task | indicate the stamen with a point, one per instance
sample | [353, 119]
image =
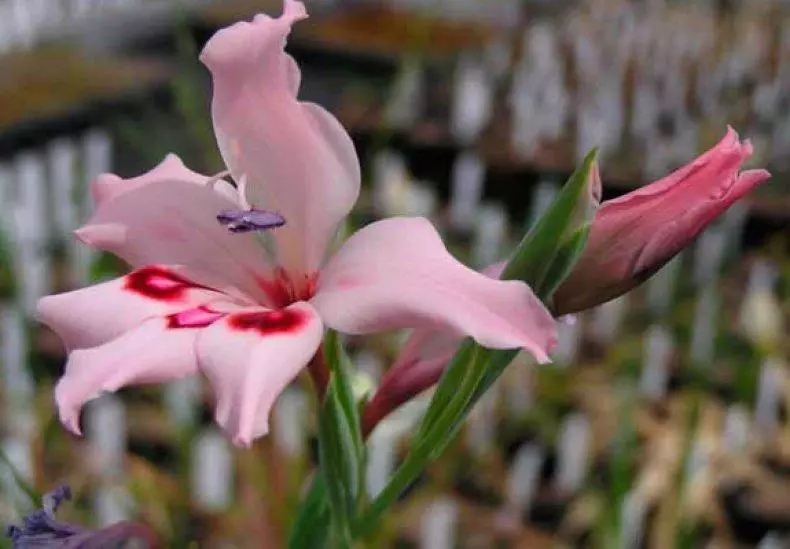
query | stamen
[244, 221]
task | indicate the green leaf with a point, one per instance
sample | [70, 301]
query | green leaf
[448, 384]
[563, 262]
[310, 529]
[534, 256]
[340, 447]
[436, 431]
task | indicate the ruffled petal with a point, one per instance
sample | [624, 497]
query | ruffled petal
[97, 314]
[295, 157]
[418, 366]
[175, 222]
[160, 349]
[249, 358]
[397, 273]
[108, 185]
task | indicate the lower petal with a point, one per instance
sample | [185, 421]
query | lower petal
[153, 352]
[175, 222]
[397, 273]
[249, 357]
[97, 314]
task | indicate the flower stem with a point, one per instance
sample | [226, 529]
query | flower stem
[435, 437]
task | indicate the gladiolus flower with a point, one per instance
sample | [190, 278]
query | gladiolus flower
[631, 238]
[218, 290]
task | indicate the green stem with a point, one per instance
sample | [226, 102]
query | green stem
[425, 447]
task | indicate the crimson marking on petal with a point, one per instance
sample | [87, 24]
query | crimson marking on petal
[283, 290]
[282, 321]
[159, 283]
[199, 317]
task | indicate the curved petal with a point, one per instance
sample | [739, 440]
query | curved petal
[175, 222]
[295, 157]
[108, 185]
[249, 357]
[397, 273]
[157, 350]
[418, 366]
[94, 315]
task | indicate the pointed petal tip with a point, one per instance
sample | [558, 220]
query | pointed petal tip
[243, 442]
[246, 440]
[100, 234]
[294, 10]
[751, 178]
[242, 41]
[69, 414]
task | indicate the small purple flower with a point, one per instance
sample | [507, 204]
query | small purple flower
[244, 221]
[40, 530]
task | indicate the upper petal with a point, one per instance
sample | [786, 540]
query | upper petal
[397, 273]
[94, 315]
[175, 222]
[108, 185]
[153, 352]
[249, 357]
[295, 157]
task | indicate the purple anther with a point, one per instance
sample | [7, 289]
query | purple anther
[244, 221]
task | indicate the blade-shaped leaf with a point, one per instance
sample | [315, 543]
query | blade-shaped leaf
[310, 529]
[340, 446]
[535, 254]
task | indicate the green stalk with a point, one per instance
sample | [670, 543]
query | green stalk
[425, 448]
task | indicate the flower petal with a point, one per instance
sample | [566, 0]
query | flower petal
[155, 351]
[174, 222]
[397, 273]
[108, 185]
[249, 357]
[97, 314]
[295, 157]
[418, 366]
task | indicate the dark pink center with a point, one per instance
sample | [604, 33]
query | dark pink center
[283, 290]
[199, 317]
[283, 321]
[158, 283]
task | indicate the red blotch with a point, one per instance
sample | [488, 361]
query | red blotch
[283, 321]
[283, 290]
[158, 283]
[199, 317]
[347, 282]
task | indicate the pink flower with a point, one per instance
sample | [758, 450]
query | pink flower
[248, 308]
[631, 238]
[635, 235]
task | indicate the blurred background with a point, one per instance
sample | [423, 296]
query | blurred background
[664, 420]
